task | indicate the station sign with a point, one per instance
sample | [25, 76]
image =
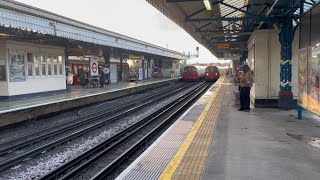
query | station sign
[136, 57]
[94, 67]
[223, 46]
[232, 56]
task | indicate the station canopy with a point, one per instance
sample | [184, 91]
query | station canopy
[224, 26]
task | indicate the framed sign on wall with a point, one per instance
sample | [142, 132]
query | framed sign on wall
[17, 65]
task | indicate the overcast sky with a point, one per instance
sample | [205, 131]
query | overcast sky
[134, 18]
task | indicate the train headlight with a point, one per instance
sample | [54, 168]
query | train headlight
[207, 74]
[216, 73]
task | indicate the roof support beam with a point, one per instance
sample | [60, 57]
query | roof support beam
[175, 1]
[235, 8]
[233, 42]
[235, 11]
[216, 30]
[232, 50]
[308, 3]
[205, 25]
[258, 18]
[273, 5]
[232, 34]
[228, 42]
[195, 13]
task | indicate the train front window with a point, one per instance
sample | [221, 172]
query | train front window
[212, 70]
[190, 70]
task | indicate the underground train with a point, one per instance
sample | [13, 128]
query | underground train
[212, 73]
[193, 73]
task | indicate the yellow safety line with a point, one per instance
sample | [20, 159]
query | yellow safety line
[171, 168]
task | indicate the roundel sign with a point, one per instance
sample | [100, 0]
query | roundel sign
[94, 68]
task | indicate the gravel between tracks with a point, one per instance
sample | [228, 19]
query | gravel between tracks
[34, 125]
[49, 160]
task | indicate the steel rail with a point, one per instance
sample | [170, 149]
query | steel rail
[91, 155]
[17, 159]
[67, 126]
[107, 170]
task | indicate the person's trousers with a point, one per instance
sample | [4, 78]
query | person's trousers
[245, 98]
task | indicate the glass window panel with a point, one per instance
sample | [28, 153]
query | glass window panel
[55, 60]
[315, 25]
[36, 69]
[42, 59]
[29, 57]
[305, 30]
[43, 69]
[30, 69]
[49, 62]
[2, 73]
[36, 59]
[55, 65]
[60, 59]
[55, 69]
[60, 69]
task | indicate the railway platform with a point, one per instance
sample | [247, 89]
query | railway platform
[19, 109]
[213, 140]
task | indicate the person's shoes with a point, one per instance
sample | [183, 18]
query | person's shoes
[247, 110]
[240, 109]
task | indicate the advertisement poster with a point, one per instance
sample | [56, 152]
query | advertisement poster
[302, 78]
[94, 67]
[140, 74]
[17, 65]
[314, 79]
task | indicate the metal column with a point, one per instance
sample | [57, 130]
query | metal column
[143, 66]
[66, 64]
[121, 68]
[106, 56]
[285, 96]
[148, 69]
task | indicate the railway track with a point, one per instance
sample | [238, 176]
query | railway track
[80, 126]
[112, 152]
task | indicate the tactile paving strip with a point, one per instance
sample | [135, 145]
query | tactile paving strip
[156, 158]
[194, 160]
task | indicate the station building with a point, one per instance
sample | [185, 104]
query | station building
[31, 68]
[39, 49]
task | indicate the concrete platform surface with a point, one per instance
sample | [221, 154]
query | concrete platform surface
[263, 144]
[76, 91]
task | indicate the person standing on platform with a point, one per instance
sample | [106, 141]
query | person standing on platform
[102, 78]
[82, 77]
[246, 81]
[106, 72]
[172, 72]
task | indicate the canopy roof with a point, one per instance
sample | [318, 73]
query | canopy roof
[226, 28]
[20, 21]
